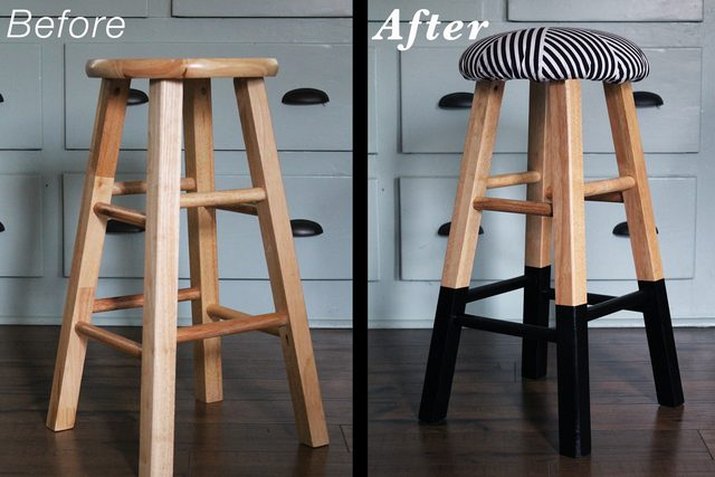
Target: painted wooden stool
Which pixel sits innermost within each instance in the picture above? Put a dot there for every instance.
(554, 60)
(182, 87)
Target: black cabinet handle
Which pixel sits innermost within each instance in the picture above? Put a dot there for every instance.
(621, 230)
(116, 227)
(305, 228)
(2, 227)
(2, 98)
(136, 97)
(305, 96)
(646, 99)
(456, 101)
(443, 230)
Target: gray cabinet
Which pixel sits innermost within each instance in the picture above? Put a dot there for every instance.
(428, 74)
(21, 106)
(125, 8)
(373, 234)
(316, 127)
(265, 8)
(21, 216)
(605, 10)
(322, 200)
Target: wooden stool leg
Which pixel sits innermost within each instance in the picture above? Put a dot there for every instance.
(156, 451)
(198, 138)
(644, 243)
(538, 239)
(89, 242)
(461, 248)
(566, 152)
(280, 257)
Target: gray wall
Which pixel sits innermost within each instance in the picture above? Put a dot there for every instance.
(414, 157)
(47, 116)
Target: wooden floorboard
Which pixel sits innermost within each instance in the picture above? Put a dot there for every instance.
(250, 433)
(499, 424)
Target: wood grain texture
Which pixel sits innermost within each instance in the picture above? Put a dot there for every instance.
(229, 327)
(178, 68)
(137, 301)
(506, 180)
(113, 340)
(565, 148)
(139, 187)
(122, 214)
(513, 206)
(161, 274)
(631, 162)
(222, 198)
(281, 260)
(603, 188)
(203, 248)
(538, 228)
(473, 176)
(87, 254)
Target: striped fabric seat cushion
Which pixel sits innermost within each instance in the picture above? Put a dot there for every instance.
(553, 54)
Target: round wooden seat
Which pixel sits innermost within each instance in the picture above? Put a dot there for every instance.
(167, 68)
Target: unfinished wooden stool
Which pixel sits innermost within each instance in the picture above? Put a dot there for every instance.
(176, 86)
(553, 60)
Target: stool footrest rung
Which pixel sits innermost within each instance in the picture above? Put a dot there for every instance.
(249, 209)
(122, 214)
(518, 178)
(233, 322)
(496, 288)
(112, 340)
(597, 190)
(221, 198)
(507, 327)
(602, 305)
(137, 301)
(139, 187)
(514, 206)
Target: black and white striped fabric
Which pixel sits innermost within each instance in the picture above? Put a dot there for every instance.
(553, 54)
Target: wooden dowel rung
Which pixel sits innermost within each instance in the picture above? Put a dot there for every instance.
(122, 214)
(113, 340)
(603, 187)
(609, 197)
(515, 206)
(234, 322)
(217, 312)
(249, 209)
(505, 180)
(139, 187)
(223, 197)
(137, 301)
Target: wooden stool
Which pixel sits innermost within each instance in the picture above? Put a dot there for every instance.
(177, 84)
(555, 205)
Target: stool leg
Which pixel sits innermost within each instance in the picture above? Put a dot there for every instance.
(538, 239)
(86, 260)
(566, 151)
(156, 452)
(198, 139)
(461, 248)
(644, 243)
(282, 264)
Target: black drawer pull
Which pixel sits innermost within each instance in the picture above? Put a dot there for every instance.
(305, 228)
(116, 227)
(456, 101)
(136, 97)
(621, 230)
(2, 227)
(305, 96)
(443, 230)
(2, 99)
(646, 99)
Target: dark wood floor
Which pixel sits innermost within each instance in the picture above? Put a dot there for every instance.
(499, 424)
(250, 433)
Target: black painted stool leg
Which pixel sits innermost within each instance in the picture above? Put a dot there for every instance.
(573, 386)
(536, 312)
(442, 354)
(661, 344)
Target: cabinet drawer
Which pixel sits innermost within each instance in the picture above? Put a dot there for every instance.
(111, 8)
(468, 10)
(297, 127)
(21, 106)
(265, 8)
(372, 119)
(21, 217)
(609, 256)
(322, 257)
(605, 10)
(672, 127)
(373, 234)
(426, 204)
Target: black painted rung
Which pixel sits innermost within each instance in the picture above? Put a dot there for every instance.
(507, 327)
(631, 302)
(496, 288)
(592, 298)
